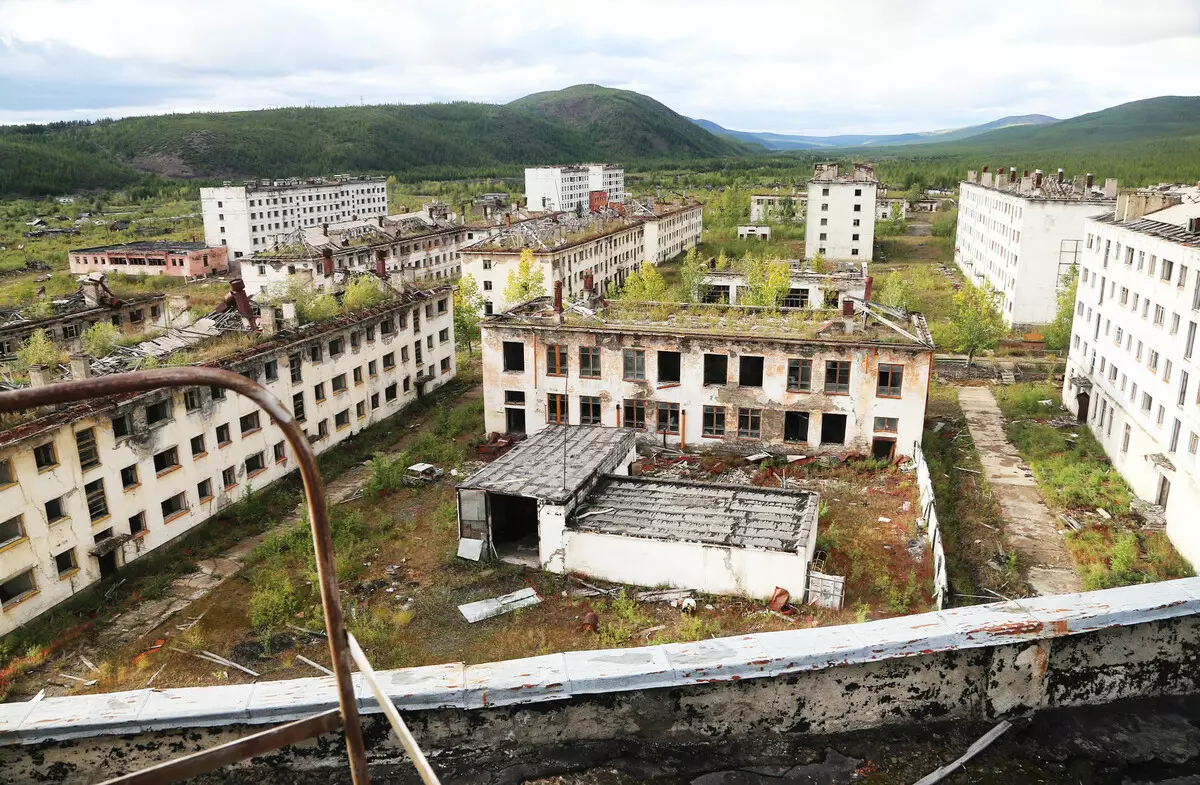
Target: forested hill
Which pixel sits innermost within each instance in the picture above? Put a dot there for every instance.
(577, 124)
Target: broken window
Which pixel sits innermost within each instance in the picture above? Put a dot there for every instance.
(167, 459)
(668, 418)
(514, 397)
(799, 378)
(191, 399)
(279, 451)
(294, 367)
(173, 506)
(716, 369)
(887, 424)
(255, 463)
(514, 356)
(129, 476)
(750, 371)
(556, 408)
(795, 426)
(249, 422)
(96, 501)
(55, 511)
(714, 421)
(6, 476)
(668, 367)
(891, 378)
(749, 423)
(556, 359)
(635, 414)
(137, 523)
(796, 298)
(44, 456)
(833, 428)
(157, 413)
(65, 562)
(271, 370)
(389, 394)
(634, 365)
(319, 391)
(837, 377)
(12, 530)
(341, 419)
(589, 410)
(589, 362)
(298, 407)
(17, 588)
(85, 441)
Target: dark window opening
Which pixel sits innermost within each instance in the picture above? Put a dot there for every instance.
(837, 376)
(796, 298)
(716, 369)
(635, 414)
(750, 371)
(795, 426)
(514, 356)
(514, 420)
(749, 423)
(833, 428)
(714, 421)
(668, 367)
(668, 418)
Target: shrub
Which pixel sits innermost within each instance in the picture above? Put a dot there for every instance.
(273, 602)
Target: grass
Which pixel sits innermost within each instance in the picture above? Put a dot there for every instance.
(1075, 476)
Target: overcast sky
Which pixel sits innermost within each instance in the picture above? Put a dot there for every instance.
(839, 66)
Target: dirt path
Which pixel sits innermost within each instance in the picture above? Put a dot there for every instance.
(1031, 527)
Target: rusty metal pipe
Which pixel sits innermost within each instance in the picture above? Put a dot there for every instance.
(318, 515)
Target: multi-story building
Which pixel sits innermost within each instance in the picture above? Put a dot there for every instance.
(712, 375)
(568, 187)
(841, 213)
(1132, 371)
(151, 257)
(777, 206)
(809, 290)
(90, 487)
(255, 215)
(1022, 234)
(605, 245)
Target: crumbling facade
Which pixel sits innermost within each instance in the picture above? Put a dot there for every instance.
(700, 376)
(778, 206)
(92, 486)
(255, 215)
(808, 289)
(151, 257)
(1021, 234)
(841, 213)
(569, 188)
(1132, 371)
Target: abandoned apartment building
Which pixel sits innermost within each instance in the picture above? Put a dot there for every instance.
(807, 289)
(421, 245)
(606, 244)
(713, 376)
(151, 257)
(75, 313)
(564, 501)
(91, 486)
(841, 212)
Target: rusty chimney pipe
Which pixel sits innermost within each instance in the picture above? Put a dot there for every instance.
(1037, 178)
(381, 263)
(328, 262)
(867, 289)
(508, 220)
(1012, 174)
(1089, 181)
(1060, 175)
(587, 282)
(381, 222)
(237, 287)
(558, 297)
(325, 229)
(847, 307)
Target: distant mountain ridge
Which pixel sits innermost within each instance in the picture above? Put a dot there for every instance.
(774, 141)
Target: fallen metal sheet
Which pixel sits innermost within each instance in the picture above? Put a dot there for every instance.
(495, 606)
(470, 549)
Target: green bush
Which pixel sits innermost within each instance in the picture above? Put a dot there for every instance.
(273, 602)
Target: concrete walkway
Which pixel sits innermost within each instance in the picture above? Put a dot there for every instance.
(1032, 529)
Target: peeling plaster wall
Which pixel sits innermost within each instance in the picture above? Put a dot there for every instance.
(861, 404)
(979, 663)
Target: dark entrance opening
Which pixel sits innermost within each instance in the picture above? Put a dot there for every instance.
(1083, 401)
(833, 429)
(108, 564)
(514, 528)
(1164, 491)
(795, 426)
(514, 420)
(883, 449)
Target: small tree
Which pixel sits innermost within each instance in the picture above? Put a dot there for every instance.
(1058, 332)
(896, 291)
(691, 278)
(38, 349)
(768, 282)
(817, 263)
(525, 282)
(468, 302)
(976, 325)
(645, 285)
(722, 261)
(99, 339)
(364, 292)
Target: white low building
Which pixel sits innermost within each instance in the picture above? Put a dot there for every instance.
(754, 232)
(563, 501)
(808, 289)
(1132, 371)
(255, 215)
(570, 187)
(841, 213)
(773, 205)
(1022, 234)
(93, 486)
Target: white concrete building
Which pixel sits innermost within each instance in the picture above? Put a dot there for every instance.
(809, 290)
(606, 246)
(568, 188)
(1132, 371)
(841, 213)
(701, 375)
(754, 232)
(776, 206)
(93, 486)
(255, 215)
(563, 501)
(884, 206)
(1021, 234)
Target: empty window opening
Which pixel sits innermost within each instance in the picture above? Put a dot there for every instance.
(795, 426)
(716, 369)
(750, 371)
(514, 356)
(668, 368)
(833, 429)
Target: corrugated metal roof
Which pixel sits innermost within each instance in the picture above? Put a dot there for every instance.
(732, 515)
(535, 467)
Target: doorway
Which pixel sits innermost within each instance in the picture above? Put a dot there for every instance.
(883, 449)
(1083, 401)
(108, 564)
(1164, 491)
(833, 429)
(515, 528)
(514, 420)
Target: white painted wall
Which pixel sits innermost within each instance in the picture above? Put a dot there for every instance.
(835, 203)
(567, 187)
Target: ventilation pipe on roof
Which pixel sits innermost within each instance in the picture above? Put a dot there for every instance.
(327, 262)
(558, 308)
(325, 229)
(867, 289)
(1012, 174)
(39, 376)
(1037, 178)
(381, 222)
(81, 367)
(1060, 175)
(1088, 181)
(381, 264)
(238, 288)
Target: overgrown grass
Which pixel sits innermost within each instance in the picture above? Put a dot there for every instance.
(1107, 556)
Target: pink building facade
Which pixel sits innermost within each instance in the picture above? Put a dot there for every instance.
(155, 257)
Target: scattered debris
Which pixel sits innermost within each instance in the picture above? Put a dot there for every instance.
(597, 589)
(218, 659)
(89, 664)
(971, 471)
(84, 682)
(687, 605)
(155, 676)
(317, 633)
(646, 633)
(470, 549)
(664, 595)
(758, 457)
(779, 599)
(979, 746)
(591, 622)
(316, 665)
(496, 606)
(1103, 513)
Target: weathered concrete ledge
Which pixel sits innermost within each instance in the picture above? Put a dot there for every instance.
(977, 662)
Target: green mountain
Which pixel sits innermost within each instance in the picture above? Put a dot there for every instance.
(774, 141)
(580, 123)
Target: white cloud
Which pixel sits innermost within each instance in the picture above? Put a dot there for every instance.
(871, 66)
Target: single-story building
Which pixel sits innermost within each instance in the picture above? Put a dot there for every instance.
(754, 232)
(564, 501)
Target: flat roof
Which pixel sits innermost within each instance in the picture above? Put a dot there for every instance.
(740, 516)
(1170, 232)
(145, 245)
(535, 467)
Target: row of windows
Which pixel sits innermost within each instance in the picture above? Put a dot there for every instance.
(889, 382)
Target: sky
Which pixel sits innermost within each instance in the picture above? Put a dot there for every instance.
(839, 66)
